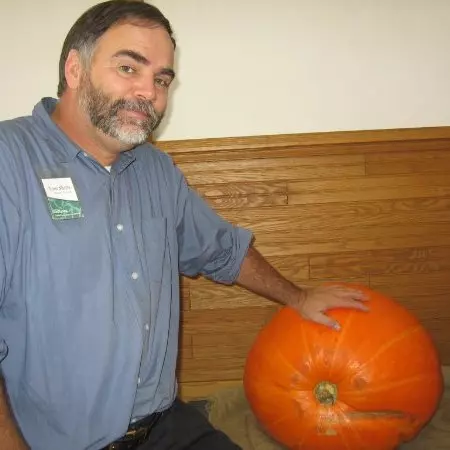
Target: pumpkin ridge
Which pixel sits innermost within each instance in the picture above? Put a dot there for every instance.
(305, 341)
(340, 339)
(389, 385)
(382, 349)
(291, 366)
(275, 351)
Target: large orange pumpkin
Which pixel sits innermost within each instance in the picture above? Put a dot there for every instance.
(372, 385)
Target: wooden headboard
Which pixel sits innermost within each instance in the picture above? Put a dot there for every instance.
(371, 206)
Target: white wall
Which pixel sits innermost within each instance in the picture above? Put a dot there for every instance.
(249, 67)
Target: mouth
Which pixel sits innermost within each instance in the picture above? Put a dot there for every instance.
(136, 114)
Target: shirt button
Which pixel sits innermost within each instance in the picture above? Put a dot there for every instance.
(119, 227)
(139, 380)
(147, 327)
(135, 275)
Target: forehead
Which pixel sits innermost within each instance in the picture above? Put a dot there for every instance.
(152, 41)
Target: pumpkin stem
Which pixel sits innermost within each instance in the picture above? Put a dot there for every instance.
(326, 393)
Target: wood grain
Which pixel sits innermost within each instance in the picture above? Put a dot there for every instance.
(227, 321)
(411, 162)
(241, 189)
(369, 188)
(366, 206)
(248, 201)
(413, 284)
(378, 262)
(240, 173)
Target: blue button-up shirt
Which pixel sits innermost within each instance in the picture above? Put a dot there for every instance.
(89, 306)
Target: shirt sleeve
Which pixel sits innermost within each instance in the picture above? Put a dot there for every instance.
(9, 225)
(208, 245)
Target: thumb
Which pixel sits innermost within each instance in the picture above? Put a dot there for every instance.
(323, 319)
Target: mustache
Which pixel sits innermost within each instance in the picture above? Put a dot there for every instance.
(141, 106)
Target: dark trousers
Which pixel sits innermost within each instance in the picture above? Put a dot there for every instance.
(183, 427)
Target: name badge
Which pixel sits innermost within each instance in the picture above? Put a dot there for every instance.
(62, 198)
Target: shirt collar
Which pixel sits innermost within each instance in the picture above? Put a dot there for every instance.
(68, 150)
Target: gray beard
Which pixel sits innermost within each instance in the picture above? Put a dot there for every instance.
(104, 115)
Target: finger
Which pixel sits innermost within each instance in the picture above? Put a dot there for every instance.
(352, 293)
(347, 303)
(323, 319)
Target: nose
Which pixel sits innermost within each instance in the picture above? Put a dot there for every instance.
(146, 89)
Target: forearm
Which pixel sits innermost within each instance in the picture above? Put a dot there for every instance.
(10, 436)
(258, 276)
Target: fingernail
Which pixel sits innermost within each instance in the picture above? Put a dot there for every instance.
(336, 326)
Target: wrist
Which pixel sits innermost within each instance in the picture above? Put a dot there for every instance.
(298, 297)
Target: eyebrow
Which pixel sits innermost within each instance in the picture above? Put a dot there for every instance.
(141, 59)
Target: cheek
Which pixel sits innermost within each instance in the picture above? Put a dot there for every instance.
(160, 103)
(113, 85)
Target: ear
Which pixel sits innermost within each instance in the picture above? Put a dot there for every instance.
(73, 69)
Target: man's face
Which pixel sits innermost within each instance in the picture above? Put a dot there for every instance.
(124, 91)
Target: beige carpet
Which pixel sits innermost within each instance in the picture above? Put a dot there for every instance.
(229, 411)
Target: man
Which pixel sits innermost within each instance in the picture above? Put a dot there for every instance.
(95, 227)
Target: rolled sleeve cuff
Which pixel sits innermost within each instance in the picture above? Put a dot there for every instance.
(227, 272)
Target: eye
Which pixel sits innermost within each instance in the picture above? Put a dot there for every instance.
(127, 69)
(162, 82)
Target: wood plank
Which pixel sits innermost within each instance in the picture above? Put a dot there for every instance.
(372, 241)
(203, 390)
(294, 267)
(214, 296)
(240, 189)
(331, 216)
(412, 162)
(211, 369)
(413, 284)
(249, 201)
(226, 340)
(227, 321)
(255, 164)
(369, 188)
(386, 261)
(344, 237)
(222, 346)
(275, 174)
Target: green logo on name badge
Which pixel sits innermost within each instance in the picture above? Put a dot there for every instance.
(64, 209)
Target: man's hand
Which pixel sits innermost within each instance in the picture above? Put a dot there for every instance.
(258, 276)
(313, 303)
